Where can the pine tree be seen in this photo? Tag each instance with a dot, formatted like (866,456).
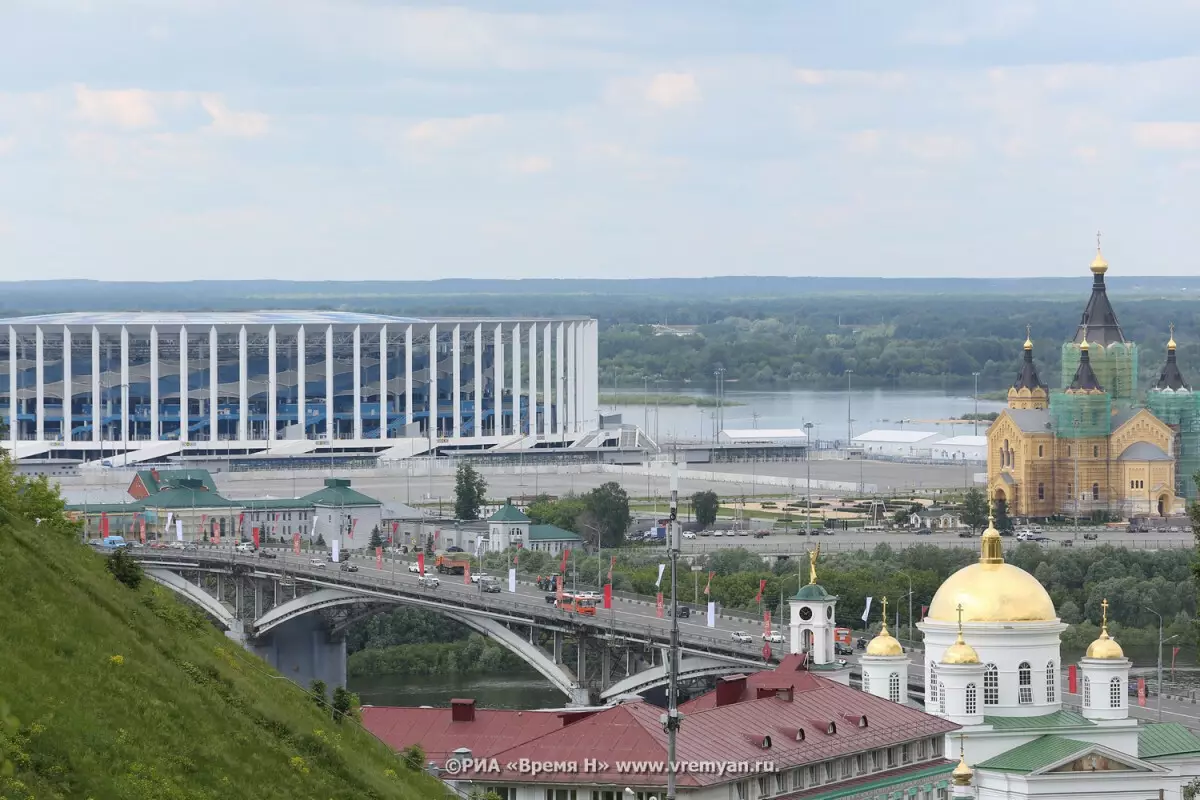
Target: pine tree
(470,491)
(376,539)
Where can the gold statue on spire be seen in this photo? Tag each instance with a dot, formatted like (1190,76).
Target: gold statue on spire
(1028,337)
(1099,265)
(1105,646)
(1171,342)
(960,652)
(883,622)
(813,555)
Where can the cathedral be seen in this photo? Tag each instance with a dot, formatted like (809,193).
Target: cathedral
(1091,448)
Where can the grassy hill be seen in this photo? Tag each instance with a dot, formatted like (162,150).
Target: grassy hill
(111,692)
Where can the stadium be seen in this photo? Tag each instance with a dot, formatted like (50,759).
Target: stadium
(105,388)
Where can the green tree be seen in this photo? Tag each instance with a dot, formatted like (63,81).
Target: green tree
(376,539)
(470,492)
(974,509)
(125,568)
(1003,520)
(565,513)
(706,505)
(319,693)
(413,757)
(343,703)
(608,505)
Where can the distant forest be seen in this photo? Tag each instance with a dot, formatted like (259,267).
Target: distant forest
(767,332)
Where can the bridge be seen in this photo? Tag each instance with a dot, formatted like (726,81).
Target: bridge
(295,613)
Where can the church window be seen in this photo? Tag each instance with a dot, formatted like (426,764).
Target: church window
(941,692)
(1095,451)
(991,686)
(933,683)
(1051,682)
(1068,451)
(1114,693)
(1087,692)
(1040,451)
(1041,491)
(866,681)
(1070,489)
(1025,683)
(894,687)
(972,699)
(1095,491)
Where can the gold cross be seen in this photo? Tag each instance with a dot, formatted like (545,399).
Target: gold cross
(1097,241)
(885,611)
(960,610)
(1104,613)
(1028,330)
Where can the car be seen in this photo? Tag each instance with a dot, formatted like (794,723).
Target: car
(718,533)
(134,544)
(414,568)
(245,547)
(924,532)
(266,554)
(491,587)
(689,535)
(589,596)
(348,567)
(476,577)
(1040,538)
(965,534)
(741,637)
(1067,543)
(706,533)
(840,649)
(773,636)
(682,611)
(829,532)
(189,546)
(455,549)
(552,597)
(1091,536)
(428,581)
(318,563)
(744,532)
(761,534)
(158,545)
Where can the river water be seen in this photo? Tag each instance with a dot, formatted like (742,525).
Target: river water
(826,410)
(521,688)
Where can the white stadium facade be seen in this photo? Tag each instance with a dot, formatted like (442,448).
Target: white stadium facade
(105,387)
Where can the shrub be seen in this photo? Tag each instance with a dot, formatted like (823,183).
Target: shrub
(125,568)
(413,757)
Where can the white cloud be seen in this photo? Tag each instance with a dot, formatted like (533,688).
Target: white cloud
(864,142)
(7,144)
(971,22)
(241,124)
(129,109)
(672,90)
(1167,135)
(851,78)
(449,131)
(534,164)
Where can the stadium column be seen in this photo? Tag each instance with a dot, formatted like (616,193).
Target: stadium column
(272,383)
(67,421)
(125,393)
(432,388)
(39,385)
(516,380)
(213,366)
(243,426)
(456,376)
(13,402)
(559,353)
(184,384)
(498,382)
(548,405)
(383,383)
(572,382)
(301,377)
(357,381)
(97,402)
(408,377)
(330,427)
(593,371)
(477,392)
(154,437)
(533,424)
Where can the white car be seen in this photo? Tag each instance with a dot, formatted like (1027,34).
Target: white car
(477,576)
(718,533)
(689,535)
(429,581)
(773,636)
(741,637)
(414,568)
(316,562)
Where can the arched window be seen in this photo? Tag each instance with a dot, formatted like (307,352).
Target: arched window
(1051,682)
(1041,452)
(1068,451)
(866,681)
(1025,684)
(991,686)
(941,698)
(1095,491)
(894,687)
(1087,692)
(1095,451)
(1007,455)
(1114,693)
(1041,491)
(972,700)
(933,683)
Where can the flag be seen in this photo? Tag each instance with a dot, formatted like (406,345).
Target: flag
(762,587)
(515,555)
(712,614)
(336,550)
(467,574)
(179,530)
(1073,679)
(132,523)
(867,610)
(395,531)
(512,578)
(216,530)
(421,563)
(708,585)
(659,604)
(241,521)
(1174,652)
(255,535)
(478,544)
(767,623)
(103,523)
(562,568)
(170,516)
(661,567)
(611,564)
(1141,691)
(353,522)
(608,595)
(143,530)
(923,610)
(296,543)
(378,558)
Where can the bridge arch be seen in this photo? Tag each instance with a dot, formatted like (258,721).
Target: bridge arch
(690,666)
(209,604)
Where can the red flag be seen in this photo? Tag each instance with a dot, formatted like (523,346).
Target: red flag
(563,566)
(241,519)
(143,530)
(708,585)
(296,543)
(659,603)
(104,523)
(608,595)
(132,523)
(395,532)
(767,623)
(353,522)
(1073,679)
(467,574)
(923,610)
(1141,691)
(762,587)
(420,563)
(1174,652)
(612,564)
(255,536)
(378,558)
(216,530)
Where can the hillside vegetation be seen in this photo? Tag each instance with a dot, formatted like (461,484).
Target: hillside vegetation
(112,692)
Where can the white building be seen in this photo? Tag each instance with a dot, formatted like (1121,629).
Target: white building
(961,448)
(896,444)
(106,386)
(764,436)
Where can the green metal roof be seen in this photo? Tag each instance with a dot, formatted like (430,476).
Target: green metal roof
(813,591)
(106,508)
(337,492)
(1041,752)
(267,503)
(1059,719)
(172,477)
(1166,739)
(509,513)
(178,497)
(885,784)
(551,533)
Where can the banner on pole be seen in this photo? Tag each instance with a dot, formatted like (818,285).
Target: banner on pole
(467,574)
(170,516)
(767,623)
(712,614)
(353,522)
(420,563)
(562,568)
(1141,691)
(216,530)
(661,567)
(608,595)
(143,521)
(103,524)
(254,534)
(179,530)
(762,587)
(867,610)
(659,603)
(611,564)
(336,551)
(296,543)
(1174,652)
(708,585)
(1073,679)
(512,579)
(378,558)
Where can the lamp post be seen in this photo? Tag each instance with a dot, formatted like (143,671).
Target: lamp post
(719,375)
(849,431)
(1161,642)
(908,578)
(808,426)
(673,718)
(976,415)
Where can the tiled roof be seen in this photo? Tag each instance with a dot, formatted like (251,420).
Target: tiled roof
(508,513)
(883,782)
(551,533)
(186,497)
(1166,739)
(269,503)
(337,492)
(788,674)
(1041,752)
(1058,719)
(1099,321)
(1030,420)
(491,731)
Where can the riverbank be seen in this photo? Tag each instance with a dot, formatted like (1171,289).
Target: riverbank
(699,400)
(476,655)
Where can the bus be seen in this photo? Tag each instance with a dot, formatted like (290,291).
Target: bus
(579,605)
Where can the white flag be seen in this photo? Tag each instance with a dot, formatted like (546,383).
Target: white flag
(867,610)
(512,579)
(478,544)
(335,550)
(179,530)
(658,582)
(312,536)
(712,614)
(170,516)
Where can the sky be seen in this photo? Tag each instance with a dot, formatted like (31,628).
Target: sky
(367,139)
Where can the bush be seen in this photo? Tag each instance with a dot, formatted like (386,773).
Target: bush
(413,757)
(125,568)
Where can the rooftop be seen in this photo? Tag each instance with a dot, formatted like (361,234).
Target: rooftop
(435,729)
(763,434)
(963,441)
(509,513)
(1041,752)
(1159,740)
(897,437)
(337,492)
(551,533)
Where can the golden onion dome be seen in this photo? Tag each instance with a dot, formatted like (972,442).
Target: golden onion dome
(1105,646)
(991,590)
(962,774)
(1099,265)
(960,653)
(1171,343)
(884,645)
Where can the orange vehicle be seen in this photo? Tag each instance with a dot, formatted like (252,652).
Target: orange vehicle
(448,565)
(842,635)
(580,605)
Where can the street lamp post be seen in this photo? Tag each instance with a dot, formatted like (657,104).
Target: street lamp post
(908,578)
(808,426)
(1161,642)
(673,719)
(849,430)
(976,415)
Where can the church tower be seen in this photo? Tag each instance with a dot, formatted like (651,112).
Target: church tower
(812,626)
(1172,400)
(1113,358)
(885,666)
(1105,677)
(1028,391)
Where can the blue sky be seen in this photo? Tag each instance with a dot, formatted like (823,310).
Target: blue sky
(341,139)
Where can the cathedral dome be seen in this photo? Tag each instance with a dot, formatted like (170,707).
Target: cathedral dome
(991,590)
(884,645)
(1105,647)
(960,653)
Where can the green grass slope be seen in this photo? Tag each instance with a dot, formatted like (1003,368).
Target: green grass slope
(108,692)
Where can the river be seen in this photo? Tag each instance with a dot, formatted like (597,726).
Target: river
(521,688)
(826,410)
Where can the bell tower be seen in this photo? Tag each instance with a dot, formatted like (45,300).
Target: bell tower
(813,619)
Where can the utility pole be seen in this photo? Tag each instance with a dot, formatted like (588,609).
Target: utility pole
(808,426)
(849,422)
(976,415)
(672,719)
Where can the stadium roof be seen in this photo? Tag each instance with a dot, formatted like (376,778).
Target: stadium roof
(206,319)
(964,441)
(899,437)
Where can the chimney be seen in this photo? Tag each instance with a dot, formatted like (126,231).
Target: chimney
(462,710)
(730,689)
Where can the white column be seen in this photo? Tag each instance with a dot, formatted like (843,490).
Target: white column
(272,384)
(478,393)
(560,354)
(408,376)
(432,391)
(243,427)
(97,403)
(67,421)
(593,372)
(516,379)
(39,384)
(383,383)
(183,384)
(357,381)
(212,384)
(456,377)
(330,428)
(498,382)
(572,383)
(13,404)
(533,365)
(154,435)
(547,388)
(301,369)
(125,386)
